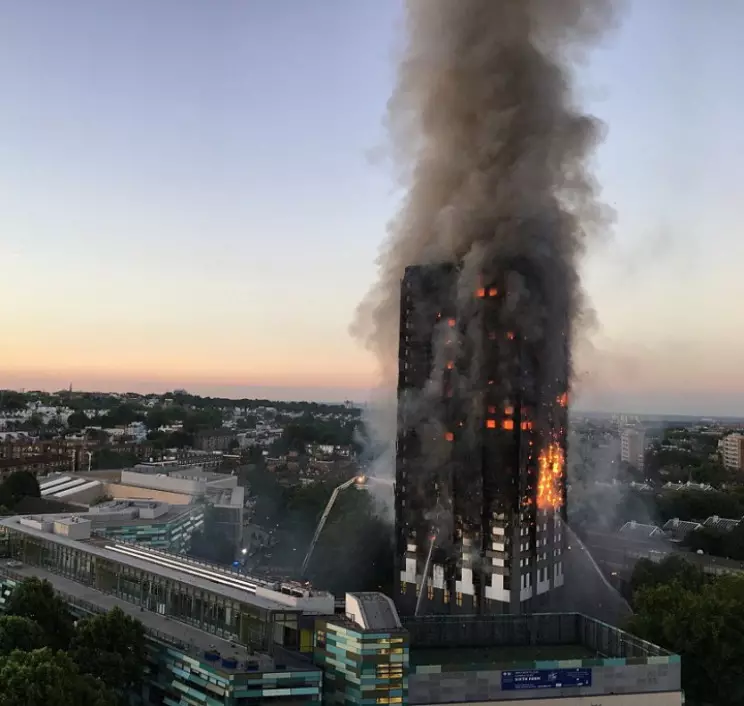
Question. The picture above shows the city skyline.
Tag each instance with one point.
(194, 198)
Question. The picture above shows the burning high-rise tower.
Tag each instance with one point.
(494, 148)
(480, 481)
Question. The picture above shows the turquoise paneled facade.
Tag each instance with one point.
(360, 666)
(178, 679)
(170, 536)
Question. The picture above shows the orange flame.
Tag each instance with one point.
(480, 293)
(551, 465)
(493, 292)
(563, 400)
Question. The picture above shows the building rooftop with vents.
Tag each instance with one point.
(677, 529)
(638, 530)
(722, 524)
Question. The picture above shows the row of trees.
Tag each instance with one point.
(311, 430)
(701, 619)
(48, 659)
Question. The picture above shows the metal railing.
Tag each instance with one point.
(537, 629)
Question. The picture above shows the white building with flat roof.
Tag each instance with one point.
(732, 451)
(633, 447)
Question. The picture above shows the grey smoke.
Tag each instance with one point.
(494, 152)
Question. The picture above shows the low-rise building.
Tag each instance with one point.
(147, 523)
(638, 530)
(721, 524)
(677, 530)
(215, 439)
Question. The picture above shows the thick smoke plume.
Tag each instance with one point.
(493, 152)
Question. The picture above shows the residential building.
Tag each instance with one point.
(480, 467)
(638, 530)
(677, 530)
(721, 524)
(689, 485)
(732, 451)
(215, 439)
(633, 447)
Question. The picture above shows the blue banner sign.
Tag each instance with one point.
(545, 679)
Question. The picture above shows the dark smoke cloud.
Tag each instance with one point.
(493, 152)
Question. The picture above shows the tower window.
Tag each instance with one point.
(508, 424)
(490, 423)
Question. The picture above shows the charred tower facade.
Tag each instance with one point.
(481, 444)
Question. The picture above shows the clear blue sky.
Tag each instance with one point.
(192, 195)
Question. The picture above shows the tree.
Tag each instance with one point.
(17, 633)
(78, 420)
(704, 626)
(674, 569)
(111, 647)
(106, 459)
(708, 540)
(36, 599)
(19, 484)
(121, 415)
(97, 436)
(12, 401)
(247, 422)
(47, 678)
